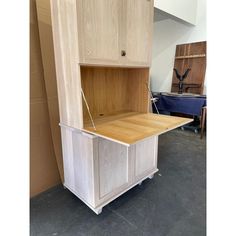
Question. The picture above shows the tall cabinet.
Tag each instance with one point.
(103, 57)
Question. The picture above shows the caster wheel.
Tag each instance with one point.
(182, 128)
(196, 131)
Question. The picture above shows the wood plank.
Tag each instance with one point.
(190, 56)
(131, 129)
(65, 39)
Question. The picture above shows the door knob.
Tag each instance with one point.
(123, 53)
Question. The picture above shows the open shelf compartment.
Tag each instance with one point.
(118, 101)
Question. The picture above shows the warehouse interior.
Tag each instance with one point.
(173, 202)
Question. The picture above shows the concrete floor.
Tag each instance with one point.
(171, 204)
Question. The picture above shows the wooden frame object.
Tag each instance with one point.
(103, 57)
(191, 55)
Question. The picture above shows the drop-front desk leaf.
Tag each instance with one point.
(132, 127)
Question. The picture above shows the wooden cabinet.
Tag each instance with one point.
(102, 54)
(115, 32)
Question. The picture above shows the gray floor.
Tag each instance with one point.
(171, 204)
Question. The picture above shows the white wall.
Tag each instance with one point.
(167, 34)
(183, 9)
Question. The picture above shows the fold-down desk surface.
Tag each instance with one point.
(131, 129)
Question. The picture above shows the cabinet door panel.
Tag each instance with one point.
(146, 157)
(98, 24)
(113, 165)
(138, 26)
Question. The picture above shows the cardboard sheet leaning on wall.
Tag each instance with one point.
(47, 51)
(44, 172)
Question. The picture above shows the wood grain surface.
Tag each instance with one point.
(191, 55)
(134, 128)
(110, 90)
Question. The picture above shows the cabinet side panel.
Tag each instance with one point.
(83, 166)
(137, 89)
(65, 38)
(68, 158)
(156, 150)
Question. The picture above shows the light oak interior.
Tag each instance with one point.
(118, 100)
(114, 91)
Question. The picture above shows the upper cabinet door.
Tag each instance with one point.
(138, 22)
(99, 31)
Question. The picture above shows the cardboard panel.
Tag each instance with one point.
(43, 167)
(48, 60)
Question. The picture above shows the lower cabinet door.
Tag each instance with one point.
(145, 157)
(113, 163)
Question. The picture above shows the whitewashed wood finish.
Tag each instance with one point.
(145, 157)
(84, 149)
(99, 207)
(65, 38)
(98, 170)
(68, 158)
(99, 31)
(139, 29)
(79, 149)
(113, 170)
(113, 166)
(104, 203)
